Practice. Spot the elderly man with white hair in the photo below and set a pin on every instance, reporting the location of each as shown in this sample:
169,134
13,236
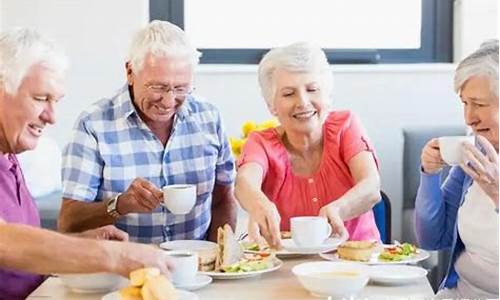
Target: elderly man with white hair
31,83
462,214
153,132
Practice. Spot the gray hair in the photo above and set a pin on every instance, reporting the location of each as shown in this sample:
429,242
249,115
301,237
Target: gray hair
297,57
161,38
483,61
20,49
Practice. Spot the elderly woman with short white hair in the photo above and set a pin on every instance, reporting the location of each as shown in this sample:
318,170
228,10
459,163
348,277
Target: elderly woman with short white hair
317,162
462,214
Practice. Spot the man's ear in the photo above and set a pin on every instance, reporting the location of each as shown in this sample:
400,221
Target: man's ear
130,76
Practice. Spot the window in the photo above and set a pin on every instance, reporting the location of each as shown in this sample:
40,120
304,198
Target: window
355,31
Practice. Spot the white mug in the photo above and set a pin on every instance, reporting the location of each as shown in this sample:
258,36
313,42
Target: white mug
310,231
185,266
451,148
179,198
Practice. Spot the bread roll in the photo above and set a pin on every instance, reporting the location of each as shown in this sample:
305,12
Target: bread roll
130,293
139,276
357,250
158,288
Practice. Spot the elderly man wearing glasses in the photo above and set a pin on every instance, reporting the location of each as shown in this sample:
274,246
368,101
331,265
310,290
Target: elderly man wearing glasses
152,133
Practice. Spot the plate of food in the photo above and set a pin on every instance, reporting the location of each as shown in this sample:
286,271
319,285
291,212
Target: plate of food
290,249
148,283
232,263
373,253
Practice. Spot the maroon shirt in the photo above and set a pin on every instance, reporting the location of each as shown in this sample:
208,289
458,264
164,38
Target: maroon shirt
16,206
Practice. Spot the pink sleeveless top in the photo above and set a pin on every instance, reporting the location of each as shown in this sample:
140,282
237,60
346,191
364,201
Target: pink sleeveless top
343,138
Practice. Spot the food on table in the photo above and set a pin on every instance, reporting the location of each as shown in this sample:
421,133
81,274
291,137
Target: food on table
158,288
148,284
398,252
263,247
130,293
286,235
357,250
229,250
206,259
139,276
231,259
250,263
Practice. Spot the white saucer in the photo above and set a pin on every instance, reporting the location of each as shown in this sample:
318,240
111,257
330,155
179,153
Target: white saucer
396,274
328,245
191,245
198,282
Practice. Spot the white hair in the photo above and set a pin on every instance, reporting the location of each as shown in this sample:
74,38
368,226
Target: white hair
483,61
20,49
298,57
161,38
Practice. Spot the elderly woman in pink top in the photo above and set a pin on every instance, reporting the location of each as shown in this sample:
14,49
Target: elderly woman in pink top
317,162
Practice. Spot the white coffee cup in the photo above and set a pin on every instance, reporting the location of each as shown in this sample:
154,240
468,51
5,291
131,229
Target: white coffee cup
185,266
179,198
451,148
310,231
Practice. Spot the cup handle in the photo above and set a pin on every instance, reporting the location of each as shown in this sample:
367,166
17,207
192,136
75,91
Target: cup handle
328,230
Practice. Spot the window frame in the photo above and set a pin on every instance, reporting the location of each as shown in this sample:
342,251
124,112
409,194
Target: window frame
436,39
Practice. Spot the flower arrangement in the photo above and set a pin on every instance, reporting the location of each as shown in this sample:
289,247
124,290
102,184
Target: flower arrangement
247,128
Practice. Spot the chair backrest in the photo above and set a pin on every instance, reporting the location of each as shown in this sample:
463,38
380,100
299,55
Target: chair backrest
415,139
382,213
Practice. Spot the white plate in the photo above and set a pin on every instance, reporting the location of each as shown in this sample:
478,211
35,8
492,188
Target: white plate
283,253
199,281
396,274
193,245
220,275
329,245
182,295
290,249
419,256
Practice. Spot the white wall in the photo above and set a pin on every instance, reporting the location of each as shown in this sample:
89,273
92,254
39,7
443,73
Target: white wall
95,35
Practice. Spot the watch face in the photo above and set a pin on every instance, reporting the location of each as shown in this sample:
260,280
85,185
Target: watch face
111,205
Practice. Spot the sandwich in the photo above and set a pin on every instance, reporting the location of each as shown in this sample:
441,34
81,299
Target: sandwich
357,250
230,256
206,259
229,250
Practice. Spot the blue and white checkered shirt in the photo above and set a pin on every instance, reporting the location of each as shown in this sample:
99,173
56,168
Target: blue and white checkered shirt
111,146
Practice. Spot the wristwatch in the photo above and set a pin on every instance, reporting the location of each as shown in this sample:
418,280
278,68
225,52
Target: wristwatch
111,207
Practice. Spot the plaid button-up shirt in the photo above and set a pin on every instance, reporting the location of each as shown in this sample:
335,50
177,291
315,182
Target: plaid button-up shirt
111,146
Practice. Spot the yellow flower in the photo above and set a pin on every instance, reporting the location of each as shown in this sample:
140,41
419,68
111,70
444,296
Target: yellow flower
269,124
247,128
236,145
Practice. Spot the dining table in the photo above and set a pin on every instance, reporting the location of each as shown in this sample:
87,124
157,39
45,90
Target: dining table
276,285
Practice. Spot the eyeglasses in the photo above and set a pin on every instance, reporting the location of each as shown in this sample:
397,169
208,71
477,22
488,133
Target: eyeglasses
179,92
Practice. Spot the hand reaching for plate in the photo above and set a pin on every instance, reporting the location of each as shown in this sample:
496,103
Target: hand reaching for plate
108,232
331,213
264,223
